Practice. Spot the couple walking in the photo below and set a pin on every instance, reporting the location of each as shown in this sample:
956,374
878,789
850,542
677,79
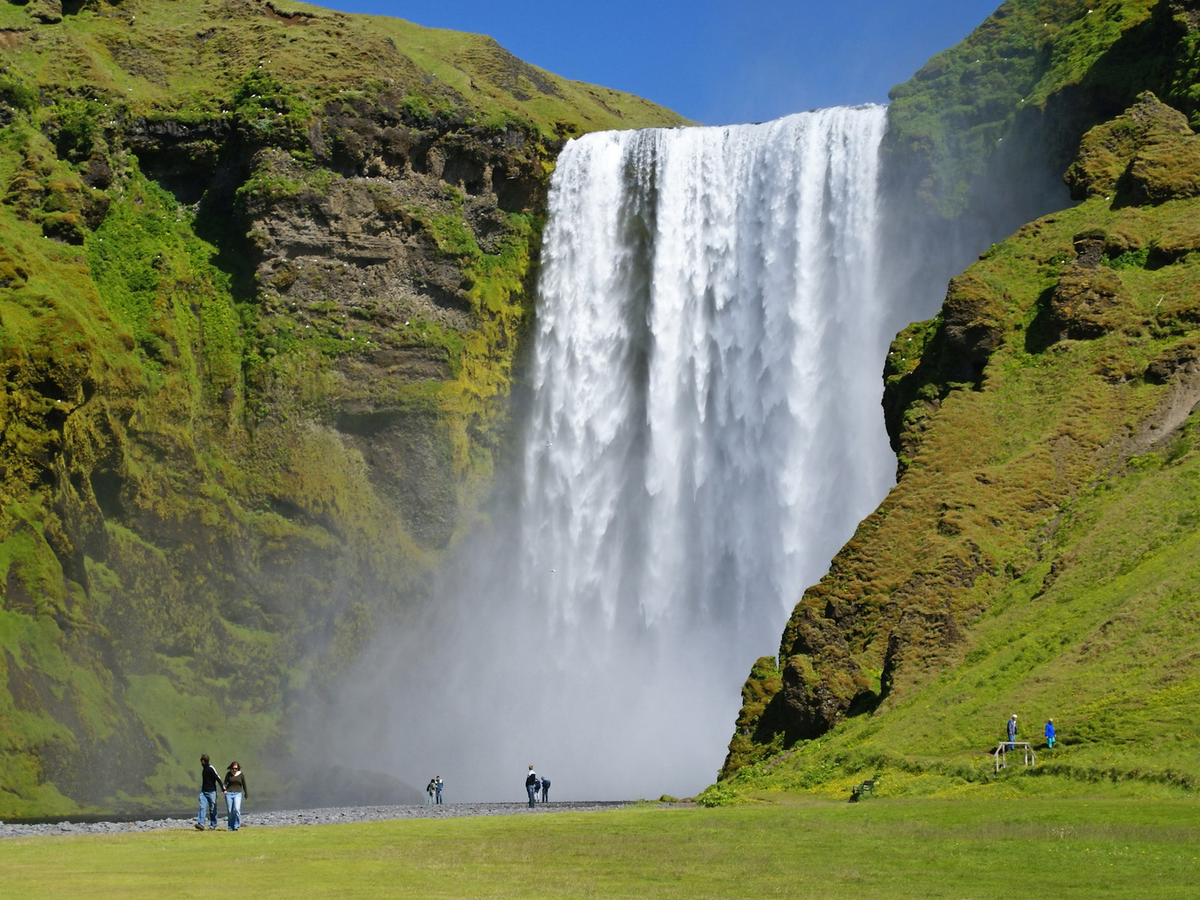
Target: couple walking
1011,730
434,789
233,787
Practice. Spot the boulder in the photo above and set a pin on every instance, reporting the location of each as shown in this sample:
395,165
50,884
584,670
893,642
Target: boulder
1145,156
1087,302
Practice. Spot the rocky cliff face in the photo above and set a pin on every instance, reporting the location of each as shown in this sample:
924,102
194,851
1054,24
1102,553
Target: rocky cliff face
264,277
1034,419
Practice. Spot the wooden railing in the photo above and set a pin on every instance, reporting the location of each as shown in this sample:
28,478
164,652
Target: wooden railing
1004,747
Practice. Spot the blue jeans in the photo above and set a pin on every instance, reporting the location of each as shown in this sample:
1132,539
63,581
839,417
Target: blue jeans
208,809
531,790
233,799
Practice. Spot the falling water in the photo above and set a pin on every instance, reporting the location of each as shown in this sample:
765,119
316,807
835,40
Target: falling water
706,424
704,434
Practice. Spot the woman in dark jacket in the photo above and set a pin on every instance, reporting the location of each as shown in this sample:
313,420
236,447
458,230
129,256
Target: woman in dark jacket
235,790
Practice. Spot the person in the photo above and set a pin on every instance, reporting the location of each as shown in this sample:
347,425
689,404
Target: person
545,789
531,786
1050,733
429,789
1012,729
210,783
235,791
437,786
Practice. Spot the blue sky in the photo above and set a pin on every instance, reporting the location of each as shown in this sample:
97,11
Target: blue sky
715,61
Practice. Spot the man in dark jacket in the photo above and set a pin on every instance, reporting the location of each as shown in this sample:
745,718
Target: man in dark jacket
210,783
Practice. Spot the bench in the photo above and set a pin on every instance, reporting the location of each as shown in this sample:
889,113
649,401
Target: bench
861,790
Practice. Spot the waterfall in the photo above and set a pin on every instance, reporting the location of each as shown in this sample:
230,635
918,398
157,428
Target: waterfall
706,425
704,433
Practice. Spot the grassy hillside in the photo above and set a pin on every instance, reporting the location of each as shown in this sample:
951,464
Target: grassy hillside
264,274
186,57
993,121
1038,554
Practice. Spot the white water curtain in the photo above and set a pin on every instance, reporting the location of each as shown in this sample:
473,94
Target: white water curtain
706,424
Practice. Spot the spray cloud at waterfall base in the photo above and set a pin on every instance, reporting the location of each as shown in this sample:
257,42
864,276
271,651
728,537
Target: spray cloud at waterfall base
703,434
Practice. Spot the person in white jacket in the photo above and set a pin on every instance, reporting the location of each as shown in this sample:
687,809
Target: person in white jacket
531,787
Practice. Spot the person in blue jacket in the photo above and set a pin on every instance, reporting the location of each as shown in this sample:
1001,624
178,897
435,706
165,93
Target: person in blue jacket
1012,729
1050,734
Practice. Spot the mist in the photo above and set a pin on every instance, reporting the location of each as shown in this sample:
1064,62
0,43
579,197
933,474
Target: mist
703,434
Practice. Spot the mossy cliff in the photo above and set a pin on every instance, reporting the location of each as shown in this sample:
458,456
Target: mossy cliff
1007,106
1038,553
264,274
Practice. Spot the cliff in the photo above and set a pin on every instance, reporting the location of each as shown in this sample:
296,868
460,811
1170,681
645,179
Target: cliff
1037,553
264,273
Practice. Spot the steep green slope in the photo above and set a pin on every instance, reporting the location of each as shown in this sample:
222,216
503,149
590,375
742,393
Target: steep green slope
1008,105
187,56
264,275
1038,554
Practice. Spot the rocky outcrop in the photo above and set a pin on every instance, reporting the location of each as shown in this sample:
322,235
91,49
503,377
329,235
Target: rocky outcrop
1086,302
972,317
46,12
1148,155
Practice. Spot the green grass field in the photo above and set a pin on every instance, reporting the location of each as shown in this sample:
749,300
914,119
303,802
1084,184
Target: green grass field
1091,848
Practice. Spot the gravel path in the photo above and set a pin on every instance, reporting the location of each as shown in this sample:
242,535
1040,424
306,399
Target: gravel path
330,816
